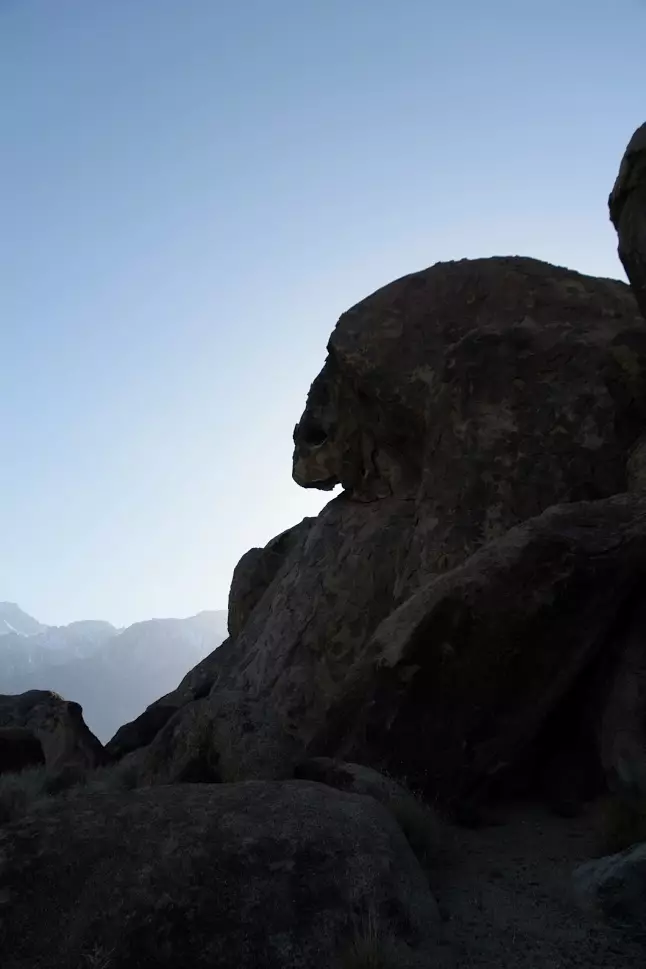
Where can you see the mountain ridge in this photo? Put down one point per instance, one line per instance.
(113, 673)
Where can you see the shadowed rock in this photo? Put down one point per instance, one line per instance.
(627, 204)
(454, 404)
(616, 886)
(256, 876)
(57, 725)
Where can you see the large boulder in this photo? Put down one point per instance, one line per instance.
(58, 727)
(627, 205)
(615, 886)
(455, 403)
(256, 876)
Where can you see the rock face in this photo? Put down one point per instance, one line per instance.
(255, 573)
(505, 661)
(627, 205)
(256, 875)
(401, 628)
(56, 724)
(616, 885)
(19, 749)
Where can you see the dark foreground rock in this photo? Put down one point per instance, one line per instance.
(615, 886)
(256, 876)
(57, 725)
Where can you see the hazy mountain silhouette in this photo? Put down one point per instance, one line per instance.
(113, 673)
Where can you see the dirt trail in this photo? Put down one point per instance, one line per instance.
(507, 895)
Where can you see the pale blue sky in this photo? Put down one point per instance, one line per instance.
(192, 191)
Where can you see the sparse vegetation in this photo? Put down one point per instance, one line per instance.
(371, 950)
(98, 958)
(623, 822)
(18, 792)
(23, 792)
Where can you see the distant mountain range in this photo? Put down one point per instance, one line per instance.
(113, 673)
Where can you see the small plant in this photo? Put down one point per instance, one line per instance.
(371, 950)
(121, 776)
(23, 791)
(64, 779)
(623, 822)
(98, 958)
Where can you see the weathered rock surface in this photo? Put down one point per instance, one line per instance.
(616, 887)
(627, 204)
(455, 403)
(353, 778)
(19, 749)
(506, 660)
(57, 725)
(256, 875)
(255, 573)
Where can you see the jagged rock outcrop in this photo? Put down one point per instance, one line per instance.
(57, 725)
(455, 403)
(256, 876)
(627, 204)
(256, 571)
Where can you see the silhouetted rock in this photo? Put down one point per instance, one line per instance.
(255, 572)
(57, 725)
(627, 205)
(455, 403)
(256, 876)
(140, 732)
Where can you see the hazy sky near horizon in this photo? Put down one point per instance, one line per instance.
(192, 191)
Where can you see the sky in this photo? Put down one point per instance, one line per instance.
(192, 191)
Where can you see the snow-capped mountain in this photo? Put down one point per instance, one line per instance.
(14, 620)
(113, 673)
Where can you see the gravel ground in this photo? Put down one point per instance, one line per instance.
(507, 897)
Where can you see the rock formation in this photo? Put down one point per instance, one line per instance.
(467, 616)
(455, 404)
(56, 724)
(251, 876)
(627, 205)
